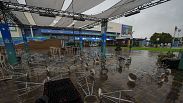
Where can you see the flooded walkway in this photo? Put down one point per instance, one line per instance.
(145, 89)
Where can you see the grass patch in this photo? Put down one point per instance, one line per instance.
(158, 49)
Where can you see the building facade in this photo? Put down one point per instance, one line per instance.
(115, 32)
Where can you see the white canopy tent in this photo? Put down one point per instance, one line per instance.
(76, 6)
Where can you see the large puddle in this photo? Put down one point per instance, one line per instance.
(146, 88)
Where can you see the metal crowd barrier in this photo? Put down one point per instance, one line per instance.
(67, 51)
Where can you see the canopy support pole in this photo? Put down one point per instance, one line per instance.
(80, 40)
(7, 39)
(32, 34)
(26, 46)
(103, 32)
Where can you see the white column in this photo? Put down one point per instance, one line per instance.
(31, 31)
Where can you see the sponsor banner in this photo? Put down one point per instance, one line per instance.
(126, 29)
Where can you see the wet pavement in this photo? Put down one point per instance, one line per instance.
(146, 89)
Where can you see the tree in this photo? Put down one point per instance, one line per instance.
(163, 38)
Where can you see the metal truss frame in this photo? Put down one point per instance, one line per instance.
(46, 11)
(9, 6)
(8, 16)
(128, 13)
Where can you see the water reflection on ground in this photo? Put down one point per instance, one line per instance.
(146, 89)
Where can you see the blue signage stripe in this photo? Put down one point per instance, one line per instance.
(46, 31)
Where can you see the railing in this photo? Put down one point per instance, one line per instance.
(67, 51)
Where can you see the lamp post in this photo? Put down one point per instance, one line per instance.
(179, 30)
(157, 42)
(174, 36)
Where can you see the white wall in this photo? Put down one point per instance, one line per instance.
(112, 27)
(16, 33)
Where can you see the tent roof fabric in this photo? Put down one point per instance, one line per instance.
(21, 17)
(54, 4)
(78, 6)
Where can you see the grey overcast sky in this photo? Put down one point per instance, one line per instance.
(160, 18)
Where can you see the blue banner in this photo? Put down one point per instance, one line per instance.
(76, 32)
